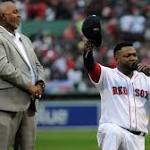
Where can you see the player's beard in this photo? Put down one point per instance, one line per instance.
(133, 66)
(128, 67)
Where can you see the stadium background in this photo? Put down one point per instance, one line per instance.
(69, 110)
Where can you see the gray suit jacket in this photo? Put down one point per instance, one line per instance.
(15, 73)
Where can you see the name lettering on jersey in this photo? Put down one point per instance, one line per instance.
(124, 91)
(141, 93)
(119, 90)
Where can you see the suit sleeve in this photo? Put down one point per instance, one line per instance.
(93, 68)
(40, 70)
(10, 73)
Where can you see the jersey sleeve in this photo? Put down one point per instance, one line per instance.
(94, 69)
(98, 75)
(95, 72)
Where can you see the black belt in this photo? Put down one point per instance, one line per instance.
(136, 132)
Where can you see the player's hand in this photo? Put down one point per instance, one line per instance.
(144, 68)
(88, 46)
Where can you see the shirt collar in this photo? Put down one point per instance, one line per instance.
(6, 30)
(135, 73)
(17, 35)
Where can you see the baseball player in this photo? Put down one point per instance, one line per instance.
(124, 99)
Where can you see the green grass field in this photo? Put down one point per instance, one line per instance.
(70, 140)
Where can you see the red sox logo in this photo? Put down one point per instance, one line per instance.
(124, 91)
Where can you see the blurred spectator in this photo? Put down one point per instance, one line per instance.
(36, 10)
(132, 26)
(57, 10)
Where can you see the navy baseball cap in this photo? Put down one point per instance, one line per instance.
(91, 29)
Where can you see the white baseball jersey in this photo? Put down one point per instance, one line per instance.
(124, 100)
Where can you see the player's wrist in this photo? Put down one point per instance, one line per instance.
(88, 46)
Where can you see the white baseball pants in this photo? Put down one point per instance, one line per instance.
(113, 137)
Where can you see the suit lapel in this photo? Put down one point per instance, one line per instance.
(8, 37)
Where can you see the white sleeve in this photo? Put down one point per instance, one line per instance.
(102, 76)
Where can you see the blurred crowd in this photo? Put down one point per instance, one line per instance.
(62, 56)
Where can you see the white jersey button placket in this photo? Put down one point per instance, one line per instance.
(132, 105)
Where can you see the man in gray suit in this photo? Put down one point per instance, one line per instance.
(21, 82)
